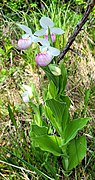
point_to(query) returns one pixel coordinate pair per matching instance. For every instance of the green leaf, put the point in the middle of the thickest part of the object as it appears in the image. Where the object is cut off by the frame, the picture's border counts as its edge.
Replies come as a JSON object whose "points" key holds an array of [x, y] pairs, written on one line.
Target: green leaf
{"points": [[49, 143], [38, 112], [39, 130], [57, 109], [65, 99], [2, 51], [65, 118], [50, 76], [53, 121], [45, 142], [12, 116], [52, 90], [73, 127], [8, 47], [59, 81], [86, 97], [86, 101], [62, 78], [76, 151], [35, 107]]}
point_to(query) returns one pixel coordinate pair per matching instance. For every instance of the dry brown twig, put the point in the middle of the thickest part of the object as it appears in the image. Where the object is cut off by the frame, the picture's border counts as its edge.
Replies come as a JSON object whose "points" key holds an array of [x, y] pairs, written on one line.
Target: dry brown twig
{"points": [[77, 29]]}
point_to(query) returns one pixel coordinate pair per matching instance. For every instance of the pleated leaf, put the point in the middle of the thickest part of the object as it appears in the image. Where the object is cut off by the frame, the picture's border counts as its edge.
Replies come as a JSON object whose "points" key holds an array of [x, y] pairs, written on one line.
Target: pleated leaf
{"points": [[73, 127], [76, 151]]}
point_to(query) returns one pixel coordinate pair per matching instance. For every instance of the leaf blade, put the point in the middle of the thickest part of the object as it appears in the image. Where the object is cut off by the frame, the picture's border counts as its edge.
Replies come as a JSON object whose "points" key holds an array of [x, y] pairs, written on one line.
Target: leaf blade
{"points": [[76, 151], [73, 127]]}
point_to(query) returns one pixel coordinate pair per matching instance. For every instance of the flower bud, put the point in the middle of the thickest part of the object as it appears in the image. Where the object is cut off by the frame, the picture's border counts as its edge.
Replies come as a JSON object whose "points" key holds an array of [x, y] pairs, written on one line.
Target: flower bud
{"points": [[55, 69]]}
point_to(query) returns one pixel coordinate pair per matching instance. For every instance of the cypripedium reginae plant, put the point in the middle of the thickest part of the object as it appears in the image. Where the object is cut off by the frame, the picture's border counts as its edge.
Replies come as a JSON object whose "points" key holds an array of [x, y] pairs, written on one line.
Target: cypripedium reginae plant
{"points": [[52, 129]]}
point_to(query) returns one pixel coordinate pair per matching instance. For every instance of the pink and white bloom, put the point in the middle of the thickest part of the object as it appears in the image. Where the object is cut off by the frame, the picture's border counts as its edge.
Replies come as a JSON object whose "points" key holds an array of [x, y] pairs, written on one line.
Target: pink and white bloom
{"points": [[27, 94], [46, 54], [46, 23], [27, 39]]}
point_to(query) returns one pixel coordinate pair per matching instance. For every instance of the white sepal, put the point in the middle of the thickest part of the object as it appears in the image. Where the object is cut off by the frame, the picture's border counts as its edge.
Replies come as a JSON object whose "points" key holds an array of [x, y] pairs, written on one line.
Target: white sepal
{"points": [[40, 32], [46, 22], [54, 51], [43, 48], [25, 28], [25, 97], [27, 88], [57, 30]]}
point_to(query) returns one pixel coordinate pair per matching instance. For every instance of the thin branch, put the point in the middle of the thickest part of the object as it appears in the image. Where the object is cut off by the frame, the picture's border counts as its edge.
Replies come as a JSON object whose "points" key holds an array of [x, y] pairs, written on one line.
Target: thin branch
{"points": [[77, 30], [76, 52]]}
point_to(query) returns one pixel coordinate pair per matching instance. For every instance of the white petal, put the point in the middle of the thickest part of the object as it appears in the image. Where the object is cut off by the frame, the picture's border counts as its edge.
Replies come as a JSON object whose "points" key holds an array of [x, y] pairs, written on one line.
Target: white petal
{"points": [[25, 97], [27, 88], [43, 48], [25, 28], [57, 30], [46, 22], [40, 40], [25, 36], [40, 32], [35, 39], [54, 51], [44, 42]]}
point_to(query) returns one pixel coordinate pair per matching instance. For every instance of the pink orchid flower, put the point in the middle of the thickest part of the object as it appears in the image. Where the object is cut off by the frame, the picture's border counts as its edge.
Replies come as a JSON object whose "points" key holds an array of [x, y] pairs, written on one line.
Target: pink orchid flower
{"points": [[46, 54], [28, 38]]}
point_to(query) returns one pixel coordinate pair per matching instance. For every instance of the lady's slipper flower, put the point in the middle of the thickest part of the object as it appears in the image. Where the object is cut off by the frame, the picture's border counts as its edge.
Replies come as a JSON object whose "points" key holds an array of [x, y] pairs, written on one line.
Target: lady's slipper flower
{"points": [[25, 42], [47, 54], [27, 94], [27, 39], [43, 59], [46, 23]]}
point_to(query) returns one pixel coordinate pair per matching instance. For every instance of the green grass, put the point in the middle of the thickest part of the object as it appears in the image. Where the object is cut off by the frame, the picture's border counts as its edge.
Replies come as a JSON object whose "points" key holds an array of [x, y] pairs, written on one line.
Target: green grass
{"points": [[18, 158]]}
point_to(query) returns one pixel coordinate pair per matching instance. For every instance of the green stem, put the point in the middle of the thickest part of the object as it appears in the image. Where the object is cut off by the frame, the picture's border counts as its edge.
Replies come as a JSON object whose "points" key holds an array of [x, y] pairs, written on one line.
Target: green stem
{"points": [[65, 158]]}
